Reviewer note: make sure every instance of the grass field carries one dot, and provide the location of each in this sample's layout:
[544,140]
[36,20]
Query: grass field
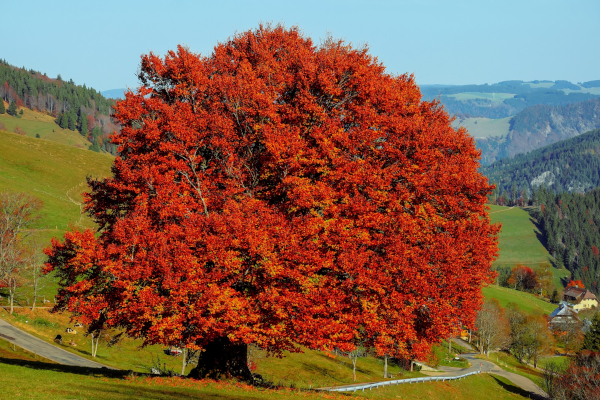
[539,85]
[484,127]
[25,375]
[36,123]
[54,173]
[493,97]
[521,241]
[526,301]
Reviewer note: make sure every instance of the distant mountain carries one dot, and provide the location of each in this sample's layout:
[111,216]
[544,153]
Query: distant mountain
[114,93]
[571,165]
[507,98]
[541,125]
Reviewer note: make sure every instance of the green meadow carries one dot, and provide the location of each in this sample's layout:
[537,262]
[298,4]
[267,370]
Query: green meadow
[526,301]
[521,242]
[56,174]
[494,97]
[484,127]
[25,375]
[35,123]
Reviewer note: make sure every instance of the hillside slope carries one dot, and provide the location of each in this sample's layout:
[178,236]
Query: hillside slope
[571,165]
[55,173]
[522,242]
[539,126]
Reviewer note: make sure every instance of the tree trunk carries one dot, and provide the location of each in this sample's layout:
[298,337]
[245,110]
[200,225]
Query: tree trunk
[354,360]
[11,293]
[222,359]
[183,363]
[450,345]
[385,374]
[34,299]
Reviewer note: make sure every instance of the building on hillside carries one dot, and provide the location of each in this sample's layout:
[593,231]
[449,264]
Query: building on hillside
[562,317]
[580,298]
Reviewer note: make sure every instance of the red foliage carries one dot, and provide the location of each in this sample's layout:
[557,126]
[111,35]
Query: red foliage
[523,277]
[20,131]
[595,251]
[91,122]
[578,284]
[280,193]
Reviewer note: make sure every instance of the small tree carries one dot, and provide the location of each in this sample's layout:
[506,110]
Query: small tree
[555,298]
[492,326]
[2,108]
[35,268]
[12,109]
[18,211]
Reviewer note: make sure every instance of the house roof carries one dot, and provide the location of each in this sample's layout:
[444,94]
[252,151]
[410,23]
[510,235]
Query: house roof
[580,292]
[589,295]
[563,311]
[575,292]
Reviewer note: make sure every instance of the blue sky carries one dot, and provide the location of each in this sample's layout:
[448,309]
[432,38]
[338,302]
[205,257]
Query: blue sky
[450,42]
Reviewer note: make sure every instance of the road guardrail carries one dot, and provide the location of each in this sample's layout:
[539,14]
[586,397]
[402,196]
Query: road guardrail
[370,386]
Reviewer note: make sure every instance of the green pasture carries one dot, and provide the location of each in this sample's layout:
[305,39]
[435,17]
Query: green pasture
[562,361]
[539,85]
[526,301]
[25,375]
[53,172]
[34,123]
[521,241]
[494,97]
[56,174]
[484,127]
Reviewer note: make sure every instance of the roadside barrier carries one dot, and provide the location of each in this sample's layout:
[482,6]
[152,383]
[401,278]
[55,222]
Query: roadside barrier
[370,386]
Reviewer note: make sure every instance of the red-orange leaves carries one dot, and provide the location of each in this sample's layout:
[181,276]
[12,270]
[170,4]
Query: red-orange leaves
[280,193]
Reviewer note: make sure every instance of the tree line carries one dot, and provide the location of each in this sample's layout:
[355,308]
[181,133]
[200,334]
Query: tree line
[570,224]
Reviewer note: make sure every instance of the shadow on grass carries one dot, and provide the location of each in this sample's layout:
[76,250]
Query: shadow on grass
[163,393]
[109,373]
[517,390]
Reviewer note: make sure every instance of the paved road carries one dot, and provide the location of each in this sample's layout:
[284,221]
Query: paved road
[484,366]
[491,368]
[46,350]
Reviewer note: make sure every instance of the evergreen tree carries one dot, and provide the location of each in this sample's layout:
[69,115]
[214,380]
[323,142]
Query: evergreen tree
[72,121]
[591,341]
[554,299]
[2,108]
[12,109]
[64,120]
[83,125]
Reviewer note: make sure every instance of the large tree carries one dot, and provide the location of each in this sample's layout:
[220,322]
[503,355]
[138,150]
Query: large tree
[281,193]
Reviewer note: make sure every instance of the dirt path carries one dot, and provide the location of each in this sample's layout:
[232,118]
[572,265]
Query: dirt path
[46,350]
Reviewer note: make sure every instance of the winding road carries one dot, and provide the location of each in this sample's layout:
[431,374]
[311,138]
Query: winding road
[477,364]
[41,348]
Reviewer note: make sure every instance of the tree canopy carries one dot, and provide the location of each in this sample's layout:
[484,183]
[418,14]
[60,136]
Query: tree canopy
[282,193]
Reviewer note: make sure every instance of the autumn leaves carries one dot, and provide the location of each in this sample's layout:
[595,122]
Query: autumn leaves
[280,193]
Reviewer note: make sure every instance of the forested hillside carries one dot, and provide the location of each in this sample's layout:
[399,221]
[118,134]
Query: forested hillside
[570,222]
[541,125]
[73,106]
[571,165]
